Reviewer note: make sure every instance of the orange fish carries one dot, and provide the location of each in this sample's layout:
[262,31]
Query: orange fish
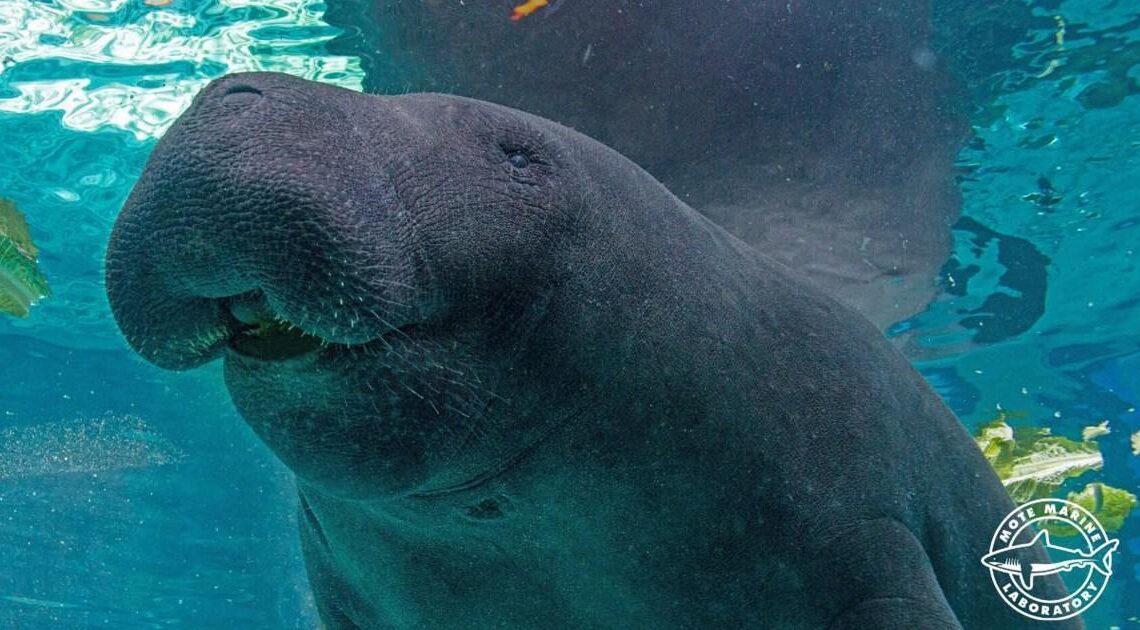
[526,8]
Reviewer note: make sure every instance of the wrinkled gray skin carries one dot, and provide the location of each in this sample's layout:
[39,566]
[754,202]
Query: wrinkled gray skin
[550,396]
[819,131]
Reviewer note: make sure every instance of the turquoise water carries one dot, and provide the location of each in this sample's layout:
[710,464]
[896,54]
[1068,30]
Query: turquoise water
[130,497]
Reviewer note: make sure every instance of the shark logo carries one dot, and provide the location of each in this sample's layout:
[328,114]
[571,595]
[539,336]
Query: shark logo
[1015,558]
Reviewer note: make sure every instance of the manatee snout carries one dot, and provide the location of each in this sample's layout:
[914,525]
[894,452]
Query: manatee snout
[249,222]
[361,264]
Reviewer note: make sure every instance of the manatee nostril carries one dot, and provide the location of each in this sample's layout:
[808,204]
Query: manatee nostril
[241,95]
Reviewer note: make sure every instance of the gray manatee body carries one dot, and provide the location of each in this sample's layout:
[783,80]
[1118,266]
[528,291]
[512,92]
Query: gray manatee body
[821,131]
[522,385]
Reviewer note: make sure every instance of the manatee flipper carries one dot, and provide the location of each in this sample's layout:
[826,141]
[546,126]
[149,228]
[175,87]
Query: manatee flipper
[890,580]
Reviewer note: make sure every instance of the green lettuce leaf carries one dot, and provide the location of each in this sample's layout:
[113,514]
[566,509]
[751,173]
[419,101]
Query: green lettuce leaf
[1031,462]
[21,283]
[1109,505]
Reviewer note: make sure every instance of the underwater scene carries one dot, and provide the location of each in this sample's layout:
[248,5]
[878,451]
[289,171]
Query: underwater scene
[327,360]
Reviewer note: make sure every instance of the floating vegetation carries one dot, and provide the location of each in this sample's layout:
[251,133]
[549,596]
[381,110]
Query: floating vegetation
[21,283]
[1110,506]
[1031,461]
[1095,431]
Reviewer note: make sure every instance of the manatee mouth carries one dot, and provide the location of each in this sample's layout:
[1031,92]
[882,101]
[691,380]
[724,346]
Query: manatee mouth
[256,331]
[260,333]
[273,341]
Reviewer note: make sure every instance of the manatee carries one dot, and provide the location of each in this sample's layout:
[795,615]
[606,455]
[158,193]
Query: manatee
[522,385]
[821,131]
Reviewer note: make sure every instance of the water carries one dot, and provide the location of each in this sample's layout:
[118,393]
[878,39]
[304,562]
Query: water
[135,498]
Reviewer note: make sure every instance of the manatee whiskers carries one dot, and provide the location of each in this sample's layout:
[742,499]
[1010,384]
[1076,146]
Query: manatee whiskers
[464,400]
[200,341]
[387,282]
[392,328]
[429,372]
[424,370]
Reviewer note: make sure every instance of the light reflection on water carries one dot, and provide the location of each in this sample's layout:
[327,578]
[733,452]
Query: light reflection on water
[136,67]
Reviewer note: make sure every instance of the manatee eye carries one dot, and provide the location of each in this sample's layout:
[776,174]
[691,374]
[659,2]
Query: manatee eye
[518,159]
